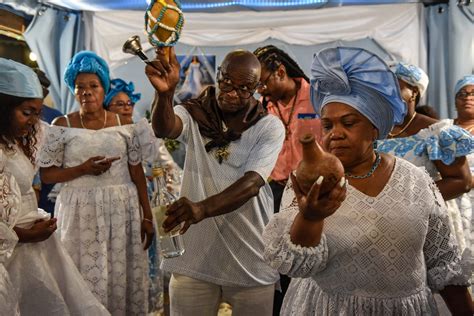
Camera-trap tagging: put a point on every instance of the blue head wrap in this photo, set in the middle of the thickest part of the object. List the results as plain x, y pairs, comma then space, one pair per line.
359, 78
465, 81
118, 85
19, 80
87, 62
413, 75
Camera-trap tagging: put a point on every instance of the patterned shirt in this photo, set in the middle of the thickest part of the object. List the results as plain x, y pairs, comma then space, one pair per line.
228, 249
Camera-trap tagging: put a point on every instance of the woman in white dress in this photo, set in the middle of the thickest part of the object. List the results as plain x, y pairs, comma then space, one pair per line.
379, 243
464, 99
121, 99
438, 146
42, 276
98, 160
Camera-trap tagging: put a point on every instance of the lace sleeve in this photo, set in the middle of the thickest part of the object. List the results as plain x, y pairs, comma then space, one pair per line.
282, 254
134, 149
10, 198
444, 263
52, 151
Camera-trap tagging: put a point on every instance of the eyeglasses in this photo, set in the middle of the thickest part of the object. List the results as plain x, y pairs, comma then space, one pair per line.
263, 84
463, 94
226, 85
122, 104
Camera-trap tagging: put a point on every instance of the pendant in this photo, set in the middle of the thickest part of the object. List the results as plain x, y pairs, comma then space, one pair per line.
222, 153
287, 133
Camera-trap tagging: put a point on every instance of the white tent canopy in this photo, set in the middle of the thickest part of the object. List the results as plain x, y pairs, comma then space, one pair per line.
399, 28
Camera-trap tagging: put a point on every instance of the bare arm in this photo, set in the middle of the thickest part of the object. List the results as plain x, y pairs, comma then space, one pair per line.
456, 178
458, 300
233, 197
164, 76
92, 166
138, 177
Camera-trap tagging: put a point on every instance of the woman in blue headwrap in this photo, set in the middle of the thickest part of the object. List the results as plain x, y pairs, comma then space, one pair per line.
41, 277
464, 99
100, 205
121, 99
378, 243
438, 146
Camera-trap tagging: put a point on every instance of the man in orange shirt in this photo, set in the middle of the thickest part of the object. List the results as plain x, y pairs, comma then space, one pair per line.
285, 92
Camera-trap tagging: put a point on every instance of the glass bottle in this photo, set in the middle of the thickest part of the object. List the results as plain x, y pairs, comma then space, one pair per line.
170, 243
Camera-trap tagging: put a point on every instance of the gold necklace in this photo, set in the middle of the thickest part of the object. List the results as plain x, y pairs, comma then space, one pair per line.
404, 128
105, 120
468, 128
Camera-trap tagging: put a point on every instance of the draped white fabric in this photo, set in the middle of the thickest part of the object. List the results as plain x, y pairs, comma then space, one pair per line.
399, 28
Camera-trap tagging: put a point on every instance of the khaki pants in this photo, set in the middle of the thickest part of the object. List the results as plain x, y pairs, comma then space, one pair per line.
191, 297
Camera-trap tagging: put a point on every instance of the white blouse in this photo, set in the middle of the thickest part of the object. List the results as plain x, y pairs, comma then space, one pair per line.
377, 256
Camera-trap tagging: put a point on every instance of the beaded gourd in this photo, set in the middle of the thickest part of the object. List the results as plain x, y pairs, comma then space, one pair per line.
163, 22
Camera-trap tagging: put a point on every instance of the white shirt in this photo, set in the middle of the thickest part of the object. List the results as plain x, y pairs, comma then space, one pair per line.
228, 249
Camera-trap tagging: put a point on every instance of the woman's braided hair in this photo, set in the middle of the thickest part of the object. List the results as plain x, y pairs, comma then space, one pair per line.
272, 57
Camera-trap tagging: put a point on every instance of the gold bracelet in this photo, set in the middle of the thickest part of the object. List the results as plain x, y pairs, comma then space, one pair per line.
148, 220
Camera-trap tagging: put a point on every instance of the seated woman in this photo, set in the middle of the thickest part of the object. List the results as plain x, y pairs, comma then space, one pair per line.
380, 243
43, 277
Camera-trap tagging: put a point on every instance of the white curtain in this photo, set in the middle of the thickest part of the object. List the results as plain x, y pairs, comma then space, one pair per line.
399, 28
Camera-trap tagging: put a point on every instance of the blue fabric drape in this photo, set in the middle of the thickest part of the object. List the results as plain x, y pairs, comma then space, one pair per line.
55, 36
450, 36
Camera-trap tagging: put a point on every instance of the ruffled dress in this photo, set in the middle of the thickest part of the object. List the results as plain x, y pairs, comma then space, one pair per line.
99, 218
441, 141
42, 276
380, 255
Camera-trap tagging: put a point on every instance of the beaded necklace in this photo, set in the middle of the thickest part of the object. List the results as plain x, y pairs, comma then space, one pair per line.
371, 171
287, 124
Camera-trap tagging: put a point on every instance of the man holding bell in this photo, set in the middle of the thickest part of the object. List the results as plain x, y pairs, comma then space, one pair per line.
231, 148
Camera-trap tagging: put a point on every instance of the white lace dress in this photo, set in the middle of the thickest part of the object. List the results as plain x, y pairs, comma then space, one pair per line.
43, 276
99, 216
377, 256
10, 199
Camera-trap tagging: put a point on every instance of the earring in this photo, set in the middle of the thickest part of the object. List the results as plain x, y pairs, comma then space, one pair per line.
374, 145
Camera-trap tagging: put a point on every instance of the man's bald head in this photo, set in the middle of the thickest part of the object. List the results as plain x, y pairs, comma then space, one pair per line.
243, 63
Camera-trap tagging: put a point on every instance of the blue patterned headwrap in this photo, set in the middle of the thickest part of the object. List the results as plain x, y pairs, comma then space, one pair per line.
465, 81
118, 85
87, 62
19, 80
358, 78
413, 75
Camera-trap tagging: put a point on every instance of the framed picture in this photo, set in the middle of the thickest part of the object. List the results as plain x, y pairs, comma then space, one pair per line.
197, 73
